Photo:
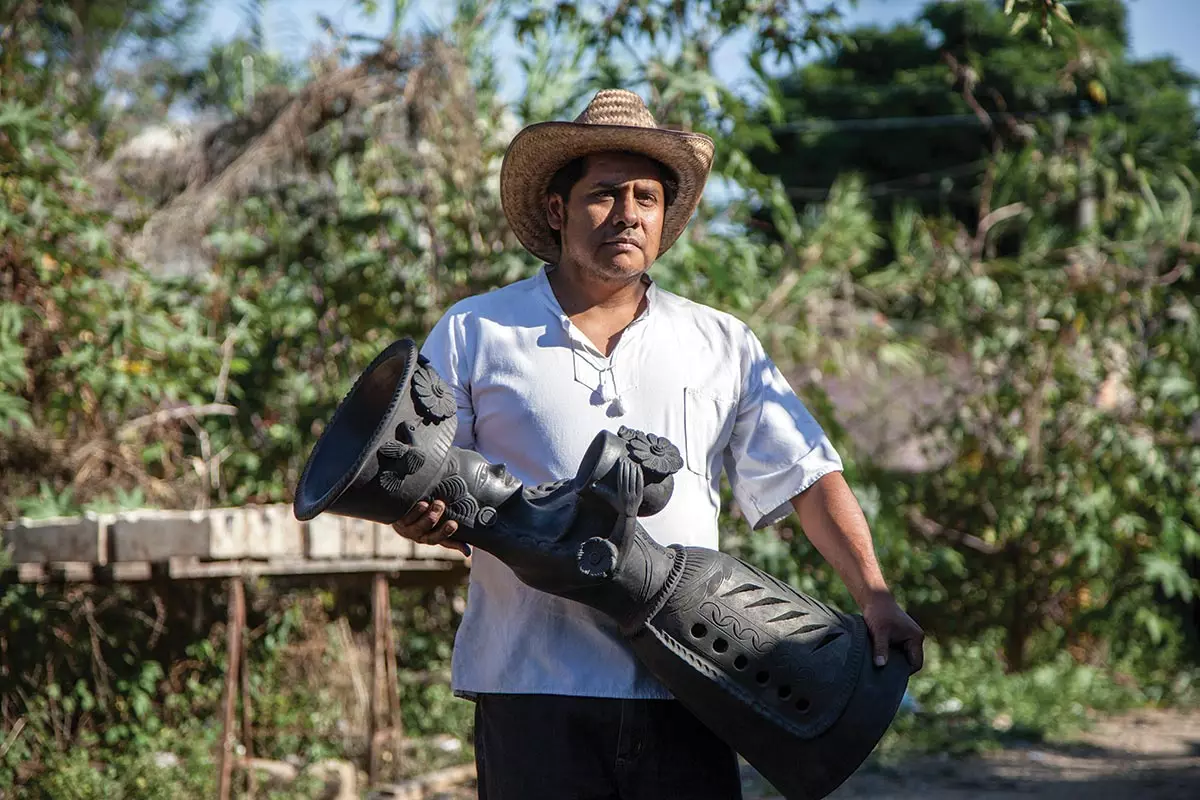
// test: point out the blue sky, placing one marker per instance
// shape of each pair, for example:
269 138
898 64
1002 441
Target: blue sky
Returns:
1158 27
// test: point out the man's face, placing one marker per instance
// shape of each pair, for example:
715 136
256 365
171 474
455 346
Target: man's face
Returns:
611 225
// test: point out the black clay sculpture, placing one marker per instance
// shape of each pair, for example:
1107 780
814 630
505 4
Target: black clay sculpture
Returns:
786 680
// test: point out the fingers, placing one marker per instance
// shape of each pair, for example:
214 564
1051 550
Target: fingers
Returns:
915 651
413 516
625 476
421 523
440 533
429 520
880 640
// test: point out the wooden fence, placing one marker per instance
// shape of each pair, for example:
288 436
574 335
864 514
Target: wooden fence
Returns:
234 544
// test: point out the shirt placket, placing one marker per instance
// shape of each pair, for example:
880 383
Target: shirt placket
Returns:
614 382
605 375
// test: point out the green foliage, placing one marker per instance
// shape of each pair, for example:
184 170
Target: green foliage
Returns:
62 54
919 109
91 687
230 70
1065 457
75 775
965 702
1052 285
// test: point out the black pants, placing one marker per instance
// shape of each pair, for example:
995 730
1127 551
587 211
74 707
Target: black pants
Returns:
547 747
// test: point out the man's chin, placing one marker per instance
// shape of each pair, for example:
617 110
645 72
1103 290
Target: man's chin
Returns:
621 267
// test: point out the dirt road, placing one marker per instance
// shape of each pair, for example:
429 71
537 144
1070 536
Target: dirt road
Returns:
1147 755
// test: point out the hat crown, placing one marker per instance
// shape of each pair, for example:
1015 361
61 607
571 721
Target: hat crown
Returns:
616 120
617 107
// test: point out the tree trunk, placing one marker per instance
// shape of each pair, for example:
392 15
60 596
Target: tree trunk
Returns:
1018 622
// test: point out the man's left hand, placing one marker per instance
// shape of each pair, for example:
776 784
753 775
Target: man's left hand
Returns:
889 624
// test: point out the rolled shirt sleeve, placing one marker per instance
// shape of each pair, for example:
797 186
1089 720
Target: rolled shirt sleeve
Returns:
777 448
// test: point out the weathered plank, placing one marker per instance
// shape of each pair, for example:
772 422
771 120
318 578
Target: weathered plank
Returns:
267 533
155 535
323 537
436 552
194 569
252 569
389 544
228 533
56 539
358 538
274 532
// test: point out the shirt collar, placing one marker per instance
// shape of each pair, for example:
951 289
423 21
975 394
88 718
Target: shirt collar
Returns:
548 296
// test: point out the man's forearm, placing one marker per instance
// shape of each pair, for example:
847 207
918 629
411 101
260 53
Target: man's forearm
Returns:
833 521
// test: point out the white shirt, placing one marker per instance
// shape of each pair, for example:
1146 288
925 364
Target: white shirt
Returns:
533 392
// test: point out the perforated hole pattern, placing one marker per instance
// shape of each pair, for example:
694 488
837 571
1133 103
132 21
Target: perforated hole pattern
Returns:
740 662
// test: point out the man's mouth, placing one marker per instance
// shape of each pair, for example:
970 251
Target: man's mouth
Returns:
622 244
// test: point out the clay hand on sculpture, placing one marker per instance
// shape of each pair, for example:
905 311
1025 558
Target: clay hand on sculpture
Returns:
786 680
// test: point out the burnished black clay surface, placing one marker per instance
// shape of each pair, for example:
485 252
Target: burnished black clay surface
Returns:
785 679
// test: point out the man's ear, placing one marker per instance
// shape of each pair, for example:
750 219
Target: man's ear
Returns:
555 211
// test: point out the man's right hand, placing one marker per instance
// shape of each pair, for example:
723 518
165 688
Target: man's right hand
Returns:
424 525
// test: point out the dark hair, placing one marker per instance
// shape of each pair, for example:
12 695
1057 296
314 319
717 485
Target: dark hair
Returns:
565 179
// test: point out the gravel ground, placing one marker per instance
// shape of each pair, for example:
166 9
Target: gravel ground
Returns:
1146 755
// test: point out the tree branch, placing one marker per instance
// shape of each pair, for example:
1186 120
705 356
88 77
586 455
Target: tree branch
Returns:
170 414
931 529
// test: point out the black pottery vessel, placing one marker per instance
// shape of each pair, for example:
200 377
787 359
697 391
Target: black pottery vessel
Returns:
786 680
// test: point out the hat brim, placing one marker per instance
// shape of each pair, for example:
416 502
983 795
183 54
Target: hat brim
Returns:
540 150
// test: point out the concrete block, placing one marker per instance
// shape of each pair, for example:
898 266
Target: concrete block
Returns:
153 535
274 532
358 538
228 534
323 537
55 539
389 544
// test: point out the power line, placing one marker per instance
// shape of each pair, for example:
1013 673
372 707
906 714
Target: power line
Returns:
888 187
934 121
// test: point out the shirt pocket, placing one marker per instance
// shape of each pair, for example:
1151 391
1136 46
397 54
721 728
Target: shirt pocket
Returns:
707 424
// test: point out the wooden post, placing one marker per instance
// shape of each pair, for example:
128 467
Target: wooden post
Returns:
395 722
233 638
251 781
376 726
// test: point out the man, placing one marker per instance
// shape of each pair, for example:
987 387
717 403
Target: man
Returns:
563 709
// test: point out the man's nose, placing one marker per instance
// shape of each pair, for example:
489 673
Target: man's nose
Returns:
625 210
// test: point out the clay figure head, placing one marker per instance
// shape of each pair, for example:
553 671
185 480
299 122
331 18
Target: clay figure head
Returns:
490 484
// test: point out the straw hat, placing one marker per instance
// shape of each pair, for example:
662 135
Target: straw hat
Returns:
615 120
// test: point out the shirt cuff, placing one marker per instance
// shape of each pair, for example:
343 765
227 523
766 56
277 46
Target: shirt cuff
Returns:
773 501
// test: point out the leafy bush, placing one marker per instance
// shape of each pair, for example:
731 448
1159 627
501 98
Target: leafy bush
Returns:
965 701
